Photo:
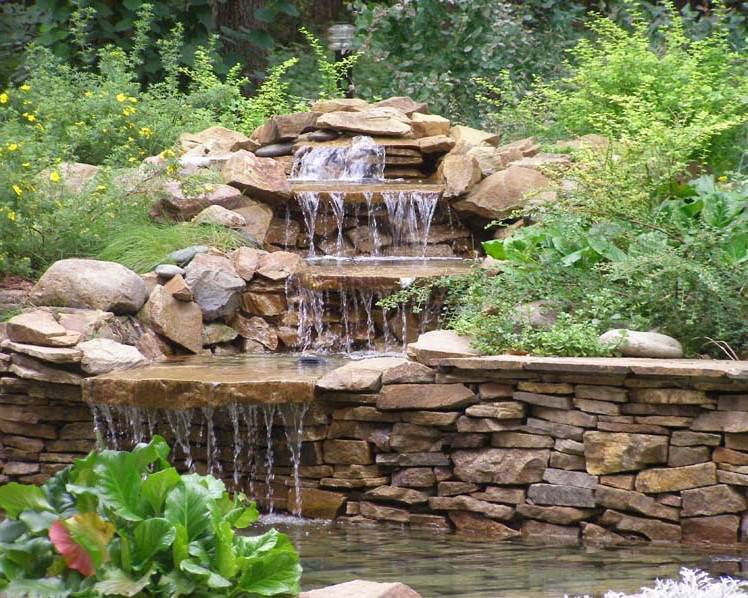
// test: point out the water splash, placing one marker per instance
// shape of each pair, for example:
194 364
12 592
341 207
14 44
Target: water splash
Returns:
362 161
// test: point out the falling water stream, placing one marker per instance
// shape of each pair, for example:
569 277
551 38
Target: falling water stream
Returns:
195 433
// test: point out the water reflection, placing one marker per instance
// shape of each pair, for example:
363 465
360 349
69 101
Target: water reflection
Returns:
437 564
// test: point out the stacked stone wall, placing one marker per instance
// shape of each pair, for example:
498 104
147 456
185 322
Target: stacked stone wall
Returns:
604 450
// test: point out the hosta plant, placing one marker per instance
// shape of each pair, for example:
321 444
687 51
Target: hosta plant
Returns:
121 523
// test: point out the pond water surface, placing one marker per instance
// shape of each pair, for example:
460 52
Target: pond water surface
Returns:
438 564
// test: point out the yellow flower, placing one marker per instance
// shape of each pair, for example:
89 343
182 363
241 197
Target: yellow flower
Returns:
132 159
25 87
145 132
4 98
722 179
88 94
121 97
12 147
167 153
29 117
54 176
133 100
101 187
26 164
80 123
18 190
11 215
128 111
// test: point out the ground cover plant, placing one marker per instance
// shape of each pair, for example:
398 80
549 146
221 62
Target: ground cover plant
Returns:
634 240
126 523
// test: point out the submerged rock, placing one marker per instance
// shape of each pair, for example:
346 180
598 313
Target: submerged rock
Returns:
92 284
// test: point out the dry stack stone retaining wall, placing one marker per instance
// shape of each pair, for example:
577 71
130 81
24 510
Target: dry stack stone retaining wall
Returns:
607 450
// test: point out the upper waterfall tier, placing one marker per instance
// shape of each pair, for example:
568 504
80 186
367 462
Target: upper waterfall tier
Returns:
362 160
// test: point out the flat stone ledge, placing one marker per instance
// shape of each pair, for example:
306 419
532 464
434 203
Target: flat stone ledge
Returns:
687 368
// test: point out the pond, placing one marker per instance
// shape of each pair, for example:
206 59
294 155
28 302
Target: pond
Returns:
437 564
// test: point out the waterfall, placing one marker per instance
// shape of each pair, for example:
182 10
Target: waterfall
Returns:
362 160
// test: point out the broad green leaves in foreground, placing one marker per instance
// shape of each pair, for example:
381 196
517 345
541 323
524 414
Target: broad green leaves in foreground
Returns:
128 524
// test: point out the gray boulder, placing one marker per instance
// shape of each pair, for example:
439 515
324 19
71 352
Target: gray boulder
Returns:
635 343
215 285
91 284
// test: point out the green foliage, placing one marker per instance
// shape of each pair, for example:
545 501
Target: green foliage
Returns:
622 86
431 50
126 523
332 73
143 246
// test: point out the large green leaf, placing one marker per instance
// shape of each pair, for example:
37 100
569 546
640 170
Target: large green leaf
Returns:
157 485
175 584
188 505
275 572
180 548
151 537
46 587
15 498
157 450
38 521
225 558
215 487
117 583
210 578
119 484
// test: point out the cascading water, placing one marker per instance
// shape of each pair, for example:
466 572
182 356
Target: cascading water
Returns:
124 427
362 160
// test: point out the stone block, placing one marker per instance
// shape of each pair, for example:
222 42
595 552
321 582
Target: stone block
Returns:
565 477
414 477
317 504
554 514
501 494
725 455
712 500
733 402
688 438
551 388
396 494
383 513
626 500
670 396
565 496
601 393
549 533
541 426
425 396
566 461
738 442
618 452
411 438
500 410
623 481
653 529
721 421
543 400
678 456
597 407
365 414
495 390
441 419
413 459
468 503
346 452
569 418
520 440
455 488
572 447
500 466
355 472
596 535
676 478
722 529
469 425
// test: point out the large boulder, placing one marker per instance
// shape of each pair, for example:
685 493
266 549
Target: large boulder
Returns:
91 284
179 321
634 343
406 105
429 125
469 136
216 140
500 194
374 121
215 285
459 173
102 355
181 206
263 178
285 127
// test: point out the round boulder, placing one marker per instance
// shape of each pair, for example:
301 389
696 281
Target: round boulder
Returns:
90 284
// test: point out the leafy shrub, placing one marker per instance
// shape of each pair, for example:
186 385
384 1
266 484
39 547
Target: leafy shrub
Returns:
431 50
622 86
127 523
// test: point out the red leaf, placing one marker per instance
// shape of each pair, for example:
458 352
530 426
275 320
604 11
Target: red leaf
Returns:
74 554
